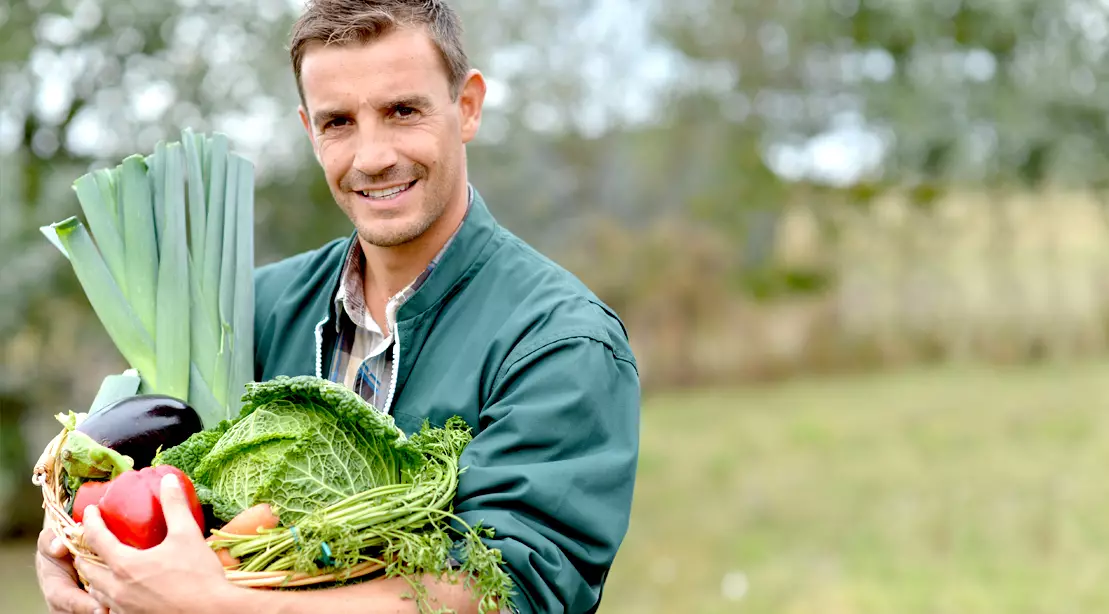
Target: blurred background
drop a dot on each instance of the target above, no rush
(862, 247)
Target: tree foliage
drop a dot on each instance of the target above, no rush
(646, 123)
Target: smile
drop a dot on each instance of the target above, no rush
(387, 193)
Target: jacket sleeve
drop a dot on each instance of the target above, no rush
(552, 469)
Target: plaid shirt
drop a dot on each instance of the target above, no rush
(371, 374)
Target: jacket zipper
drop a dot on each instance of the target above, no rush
(319, 347)
(396, 369)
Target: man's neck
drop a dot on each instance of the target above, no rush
(389, 270)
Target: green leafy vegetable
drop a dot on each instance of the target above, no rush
(298, 444)
(180, 306)
(190, 452)
(84, 459)
(349, 488)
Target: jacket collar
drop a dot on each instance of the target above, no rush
(462, 258)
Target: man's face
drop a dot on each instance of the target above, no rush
(388, 135)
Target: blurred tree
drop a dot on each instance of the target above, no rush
(662, 139)
(87, 82)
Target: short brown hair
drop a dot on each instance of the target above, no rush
(341, 22)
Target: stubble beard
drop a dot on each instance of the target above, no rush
(430, 210)
(382, 235)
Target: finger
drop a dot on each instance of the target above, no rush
(55, 567)
(175, 508)
(77, 601)
(99, 538)
(57, 549)
(51, 545)
(104, 602)
(98, 578)
(60, 589)
(50, 568)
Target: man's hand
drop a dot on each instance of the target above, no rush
(58, 579)
(181, 574)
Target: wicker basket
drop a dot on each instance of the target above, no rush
(54, 500)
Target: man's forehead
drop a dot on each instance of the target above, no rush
(406, 53)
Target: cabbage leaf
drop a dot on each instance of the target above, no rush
(300, 444)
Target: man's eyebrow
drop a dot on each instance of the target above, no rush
(416, 101)
(322, 116)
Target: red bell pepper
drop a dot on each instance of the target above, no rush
(132, 506)
(88, 494)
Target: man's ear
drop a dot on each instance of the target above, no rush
(307, 123)
(471, 99)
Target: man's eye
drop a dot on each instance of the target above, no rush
(403, 111)
(336, 123)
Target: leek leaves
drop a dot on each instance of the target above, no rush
(167, 261)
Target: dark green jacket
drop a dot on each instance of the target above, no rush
(538, 366)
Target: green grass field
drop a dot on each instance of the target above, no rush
(942, 491)
(958, 491)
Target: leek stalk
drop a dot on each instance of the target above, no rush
(141, 243)
(172, 343)
(168, 270)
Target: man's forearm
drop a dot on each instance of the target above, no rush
(386, 596)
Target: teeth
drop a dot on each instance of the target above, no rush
(384, 193)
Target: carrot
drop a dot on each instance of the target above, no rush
(225, 559)
(248, 522)
(251, 520)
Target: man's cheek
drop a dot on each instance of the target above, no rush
(330, 154)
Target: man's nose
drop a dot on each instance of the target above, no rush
(377, 150)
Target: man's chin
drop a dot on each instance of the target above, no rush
(381, 235)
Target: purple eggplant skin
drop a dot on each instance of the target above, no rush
(138, 425)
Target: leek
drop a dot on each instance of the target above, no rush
(139, 241)
(225, 306)
(157, 174)
(96, 194)
(114, 388)
(168, 269)
(204, 283)
(107, 300)
(194, 157)
(172, 343)
(242, 323)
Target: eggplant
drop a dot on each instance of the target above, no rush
(137, 426)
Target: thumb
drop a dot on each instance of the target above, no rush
(175, 508)
(57, 549)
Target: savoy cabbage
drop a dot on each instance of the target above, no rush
(299, 443)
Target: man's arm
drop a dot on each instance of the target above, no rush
(552, 468)
(182, 574)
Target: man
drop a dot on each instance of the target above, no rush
(428, 310)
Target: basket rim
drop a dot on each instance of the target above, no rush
(71, 533)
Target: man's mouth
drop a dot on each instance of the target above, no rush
(388, 192)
